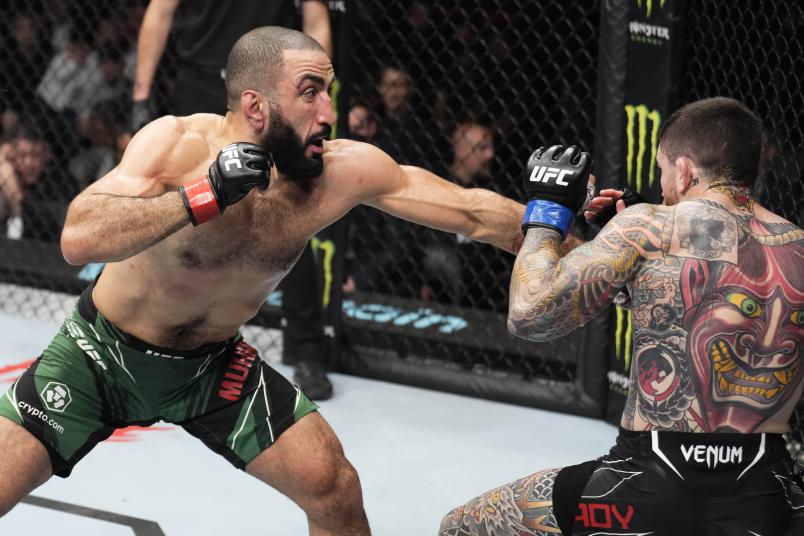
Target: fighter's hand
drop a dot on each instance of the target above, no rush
(238, 169)
(609, 202)
(556, 184)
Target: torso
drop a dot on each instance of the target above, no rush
(202, 283)
(718, 312)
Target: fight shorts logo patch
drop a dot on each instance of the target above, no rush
(56, 396)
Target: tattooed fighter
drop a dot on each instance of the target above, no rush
(716, 286)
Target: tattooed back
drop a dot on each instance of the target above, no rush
(718, 308)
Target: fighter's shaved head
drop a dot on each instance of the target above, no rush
(256, 60)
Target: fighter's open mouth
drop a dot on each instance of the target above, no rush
(731, 379)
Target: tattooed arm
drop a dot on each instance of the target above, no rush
(551, 296)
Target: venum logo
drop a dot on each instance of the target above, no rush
(712, 454)
(56, 396)
(544, 174)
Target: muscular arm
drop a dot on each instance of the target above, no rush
(156, 24)
(134, 206)
(419, 196)
(552, 295)
(315, 23)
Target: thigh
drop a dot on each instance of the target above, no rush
(56, 400)
(523, 507)
(242, 406)
(24, 463)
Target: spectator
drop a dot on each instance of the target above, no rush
(458, 270)
(101, 129)
(362, 123)
(30, 206)
(26, 54)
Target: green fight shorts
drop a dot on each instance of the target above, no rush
(94, 378)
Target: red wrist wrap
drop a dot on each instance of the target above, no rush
(201, 201)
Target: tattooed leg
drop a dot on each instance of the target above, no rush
(523, 507)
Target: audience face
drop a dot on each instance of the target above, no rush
(473, 150)
(25, 32)
(395, 88)
(361, 123)
(29, 159)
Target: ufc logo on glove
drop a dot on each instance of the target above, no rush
(544, 174)
(230, 154)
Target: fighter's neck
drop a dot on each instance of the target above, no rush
(234, 128)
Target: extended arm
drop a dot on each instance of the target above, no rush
(156, 24)
(551, 296)
(315, 23)
(422, 197)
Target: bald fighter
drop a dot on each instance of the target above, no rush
(715, 283)
(193, 250)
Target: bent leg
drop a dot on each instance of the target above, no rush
(24, 464)
(522, 507)
(308, 465)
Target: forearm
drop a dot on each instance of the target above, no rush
(153, 36)
(316, 24)
(104, 227)
(551, 295)
(495, 219)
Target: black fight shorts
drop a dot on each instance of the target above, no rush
(682, 484)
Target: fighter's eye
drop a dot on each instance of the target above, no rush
(748, 306)
(797, 318)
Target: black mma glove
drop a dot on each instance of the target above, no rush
(556, 187)
(603, 217)
(238, 168)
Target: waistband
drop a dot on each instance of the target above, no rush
(89, 312)
(691, 455)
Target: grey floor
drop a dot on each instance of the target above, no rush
(419, 453)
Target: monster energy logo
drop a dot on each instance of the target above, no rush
(649, 5)
(637, 130)
(622, 336)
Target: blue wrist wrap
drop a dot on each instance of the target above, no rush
(544, 212)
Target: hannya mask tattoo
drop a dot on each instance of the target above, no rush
(745, 326)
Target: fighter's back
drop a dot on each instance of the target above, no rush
(718, 315)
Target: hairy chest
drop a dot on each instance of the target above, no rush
(266, 235)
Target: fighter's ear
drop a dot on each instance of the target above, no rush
(254, 108)
(687, 174)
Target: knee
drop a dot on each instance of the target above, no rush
(334, 481)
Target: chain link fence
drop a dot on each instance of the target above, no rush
(754, 53)
(465, 89)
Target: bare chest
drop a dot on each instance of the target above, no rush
(267, 237)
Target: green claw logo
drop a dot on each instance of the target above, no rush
(641, 124)
(649, 5)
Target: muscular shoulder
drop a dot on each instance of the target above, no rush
(360, 168)
(166, 149)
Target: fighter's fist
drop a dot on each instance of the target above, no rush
(556, 186)
(238, 168)
(608, 203)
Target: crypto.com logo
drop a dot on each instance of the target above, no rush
(56, 396)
